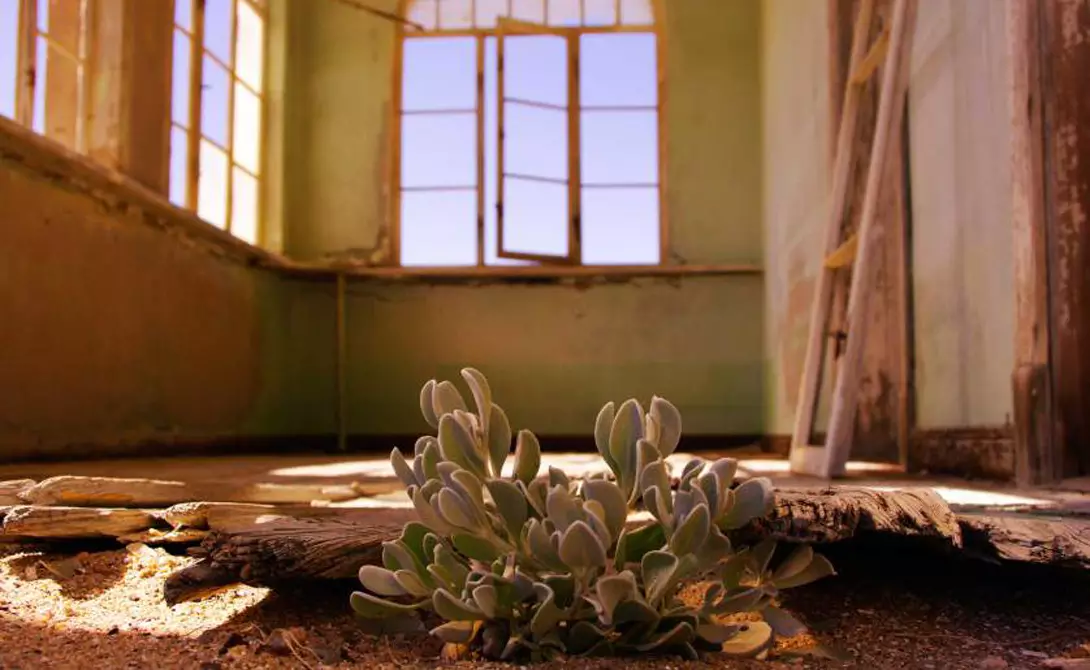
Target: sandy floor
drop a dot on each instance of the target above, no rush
(889, 608)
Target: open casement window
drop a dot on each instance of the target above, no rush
(537, 204)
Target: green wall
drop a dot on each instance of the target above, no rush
(555, 352)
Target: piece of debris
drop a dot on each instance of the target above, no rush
(994, 663)
(1067, 663)
(64, 569)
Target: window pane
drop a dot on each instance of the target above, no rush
(620, 148)
(212, 186)
(488, 11)
(620, 226)
(9, 52)
(536, 69)
(455, 14)
(564, 13)
(535, 141)
(439, 150)
(528, 10)
(218, 28)
(180, 93)
(244, 207)
(251, 46)
(618, 70)
(423, 12)
(247, 137)
(491, 156)
(637, 13)
(535, 218)
(439, 73)
(43, 16)
(599, 13)
(439, 228)
(179, 166)
(214, 101)
(41, 73)
(183, 14)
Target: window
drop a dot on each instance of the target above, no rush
(529, 133)
(47, 41)
(216, 111)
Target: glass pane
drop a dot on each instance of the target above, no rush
(244, 207)
(599, 12)
(41, 74)
(618, 70)
(536, 69)
(212, 185)
(637, 13)
(535, 218)
(620, 148)
(216, 83)
(9, 55)
(218, 28)
(43, 15)
(620, 226)
(491, 156)
(179, 166)
(251, 46)
(180, 87)
(535, 141)
(564, 13)
(439, 228)
(528, 10)
(455, 14)
(488, 11)
(183, 14)
(247, 138)
(423, 12)
(439, 150)
(439, 73)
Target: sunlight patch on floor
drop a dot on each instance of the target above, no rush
(962, 496)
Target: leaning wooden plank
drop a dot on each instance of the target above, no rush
(1030, 537)
(225, 516)
(63, 523)
(116, 492)
(335, 548)
(10, 490)
(154, 536)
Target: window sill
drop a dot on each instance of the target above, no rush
(517, 274)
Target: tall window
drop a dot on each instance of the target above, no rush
(529, 133)
(44, 83)
(217, 101)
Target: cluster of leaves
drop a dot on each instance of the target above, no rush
(519, 565)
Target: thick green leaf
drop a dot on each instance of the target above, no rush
(476, 548)
(457, 445)
(680, 634)
(595, 516)
(658, 568)
(655, 475)
(726, 469)
(646, 454)
(402, 469)
(635, 544)
(708, 485)
(487, 599)
(448, 606)
(557, 477)
(471, 488)
(482, 395)
(536, 493)
(694, 468)
(716, 547)
(396, 556)
(511, 505)
(446, 399)
(561, 508)
(373, 607)
(453, 564)
(818, 568)
(612, 500)
(635, 612)
(626, 431)
(546, 615)
(540, 546)
(527, 457)
(733, 570)
(427, 403)
(581, 548)
(612, 591)
(668, 419)
(562, 587)
(602, 427)
(752, 638)
(760, 556)
(428, 514)
(414, 536)
(412, 583)
(795, 562)
(690, 534)
(783, 623)
(715, 633)
(499, 439)
(457, 632)
(583, 637)
(422, 443)
(457, 511)
(380, 581)
(430, 458)
(653, 501)
(746, 600)
(752, 498)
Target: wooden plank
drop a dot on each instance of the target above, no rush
(118, 492)
(225, 516)
(844, 254)
(872, 60)
(1060, 540)
(10, 491)
(1034, 449)
(69, 523)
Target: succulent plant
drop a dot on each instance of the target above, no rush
(521, 565)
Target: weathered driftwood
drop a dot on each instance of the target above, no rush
(10, 490)
(34, 522)
(153, 536)
(224, 516)
(76, 491)
(1031, 537)
(335, 548)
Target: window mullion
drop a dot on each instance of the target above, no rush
(28, 62)
(575, 172)
(230, 195)
(481, 204)
(196, 75)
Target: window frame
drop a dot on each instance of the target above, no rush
(193, 131)
(407, 29)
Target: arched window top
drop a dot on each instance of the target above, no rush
(481, 15)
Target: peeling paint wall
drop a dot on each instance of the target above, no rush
(555, 352)
(119, 330)
(963, 281)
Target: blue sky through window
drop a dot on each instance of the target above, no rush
(9, 52)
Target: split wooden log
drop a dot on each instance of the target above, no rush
(10, 490)
(1031, 537)
(76, 491)
(72, 523)
(335, 548)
